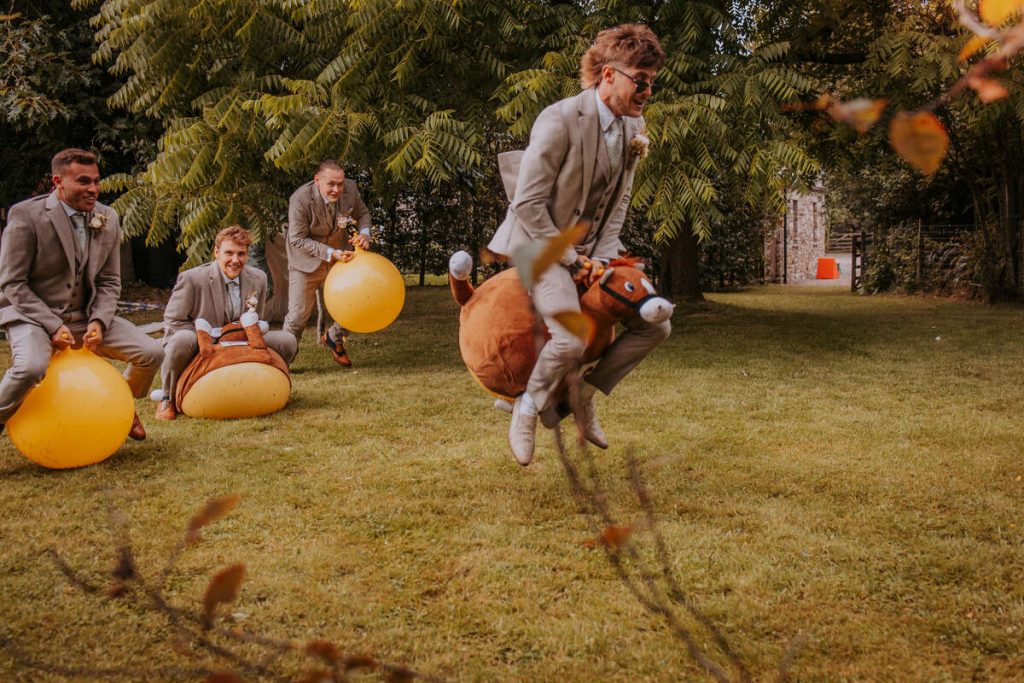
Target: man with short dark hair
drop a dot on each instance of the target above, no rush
(60, 278)
(219, 293)
(578, 169)
(321, 214)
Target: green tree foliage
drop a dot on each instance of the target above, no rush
(253, 94)
(52, 96)
(421, 95)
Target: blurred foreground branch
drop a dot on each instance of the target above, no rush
(653, 584)
(223, 653)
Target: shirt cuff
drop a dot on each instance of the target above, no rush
(330, 252)
(365, 232)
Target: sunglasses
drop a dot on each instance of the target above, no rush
(640, 83)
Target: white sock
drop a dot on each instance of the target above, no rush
(587, 391)
(527, 406)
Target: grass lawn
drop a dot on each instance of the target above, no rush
(844, 470)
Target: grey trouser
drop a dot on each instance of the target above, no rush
(302, 298)
(182, 346)
(31, 350)
(555, 292)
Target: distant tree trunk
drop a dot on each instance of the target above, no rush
(1010, 217)
(681, 269)
(276, 255)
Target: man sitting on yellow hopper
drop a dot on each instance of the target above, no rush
(216, 292)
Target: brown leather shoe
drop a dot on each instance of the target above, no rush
(338, 353)
(137, 432)
(165, 411)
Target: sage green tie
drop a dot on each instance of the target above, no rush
(614, 142)
(234, 301)
(78, 220)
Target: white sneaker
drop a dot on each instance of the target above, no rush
(522, 433)
(591, 427)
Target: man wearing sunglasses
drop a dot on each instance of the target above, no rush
(578, 169)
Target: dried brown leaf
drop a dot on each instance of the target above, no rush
(989, 90)
(534, 258)
(125, 568)
(214, 509)
(577, 324)
(995, 12)
(324, 650)
(360, 662)
(819, 104)
(860, 113)
(920, 139)
(487, 257)
(399, 675)
(616, 535)
(316, 677)
(224, 677)
(223, 588)
(971, 48)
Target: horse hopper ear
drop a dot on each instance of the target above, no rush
(607, 274)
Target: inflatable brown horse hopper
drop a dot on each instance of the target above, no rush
(500, 334)
(235, 374)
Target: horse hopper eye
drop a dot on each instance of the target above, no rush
(630, 287)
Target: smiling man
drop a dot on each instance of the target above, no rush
(60, 278)
(578, 169)
(218, 293)
(322, 215)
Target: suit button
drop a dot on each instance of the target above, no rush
(69, 286)
(577, 212)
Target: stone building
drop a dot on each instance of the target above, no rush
(793, 246)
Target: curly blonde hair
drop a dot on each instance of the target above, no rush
(233, 233)
(631, 45)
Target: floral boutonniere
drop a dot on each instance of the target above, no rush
(344, 221)
(98, 221)
(251, 302)
(640, 144)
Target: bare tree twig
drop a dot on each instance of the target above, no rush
(194, 627)
(654, 600)
(28, 662)
(675, 590)
(70, 574)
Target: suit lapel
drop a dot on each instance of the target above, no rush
(319, 207)
(589, 128)
(94, 250)
(62, 226)
(217, 294)
(603, 161)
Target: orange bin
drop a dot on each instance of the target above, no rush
(827, 269)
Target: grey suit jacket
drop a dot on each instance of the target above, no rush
(200, 293)
(37, 264)
(554, 177)
(310, 233)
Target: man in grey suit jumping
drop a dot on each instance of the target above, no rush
(320, 215)
(217, 292)
(578, 169)
(60, 278)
